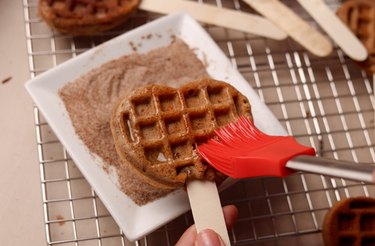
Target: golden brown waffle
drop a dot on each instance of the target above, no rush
(85, 17)
(350, 222)
(359, 16)
(156, 128)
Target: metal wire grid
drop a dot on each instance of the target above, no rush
(327, 103)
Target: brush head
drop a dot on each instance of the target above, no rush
(240, 150)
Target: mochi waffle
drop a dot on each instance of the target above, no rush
(350, 222)
(85, 17)
(157, 128)
(359, 16)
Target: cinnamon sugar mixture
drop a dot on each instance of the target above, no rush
(90, 99)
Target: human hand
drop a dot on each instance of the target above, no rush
(208, 237)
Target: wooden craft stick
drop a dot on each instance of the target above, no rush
(335, 28)
(206, 207)
(209, 14)
(293, 25)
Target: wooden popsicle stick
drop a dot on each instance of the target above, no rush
(335, 28)
(206, 207)
(293, 25)
(217, 16)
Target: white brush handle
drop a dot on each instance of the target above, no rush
(333, 168)
(335, 28)
(206, 207)
(293, 25)
(209, 14)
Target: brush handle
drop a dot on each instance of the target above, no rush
(334, 168)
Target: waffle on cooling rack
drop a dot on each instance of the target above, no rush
(359, 16)
(156, 129)
(350, 222)
(85, 17)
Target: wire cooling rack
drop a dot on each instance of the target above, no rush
(327, 103)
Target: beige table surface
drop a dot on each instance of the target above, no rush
(21, 214)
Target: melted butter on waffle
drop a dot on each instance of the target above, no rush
(156, 128)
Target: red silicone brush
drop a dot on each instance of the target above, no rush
(240, 150)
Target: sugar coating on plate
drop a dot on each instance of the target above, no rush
(85, 17)
(90, 99)
(350, 222)
(157, 129)
(359, 16)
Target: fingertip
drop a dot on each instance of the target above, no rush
(188, 237)
(208, 237)
(230, 215)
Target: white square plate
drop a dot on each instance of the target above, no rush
(137, 221)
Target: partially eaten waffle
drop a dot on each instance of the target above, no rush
(85, 17)
(359, 16)
(156, 129)
(350, 222)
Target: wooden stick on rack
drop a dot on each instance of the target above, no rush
(335, 28)
(209, 14)
(293, 25)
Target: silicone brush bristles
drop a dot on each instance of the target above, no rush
(219, 152)
(241, 142)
